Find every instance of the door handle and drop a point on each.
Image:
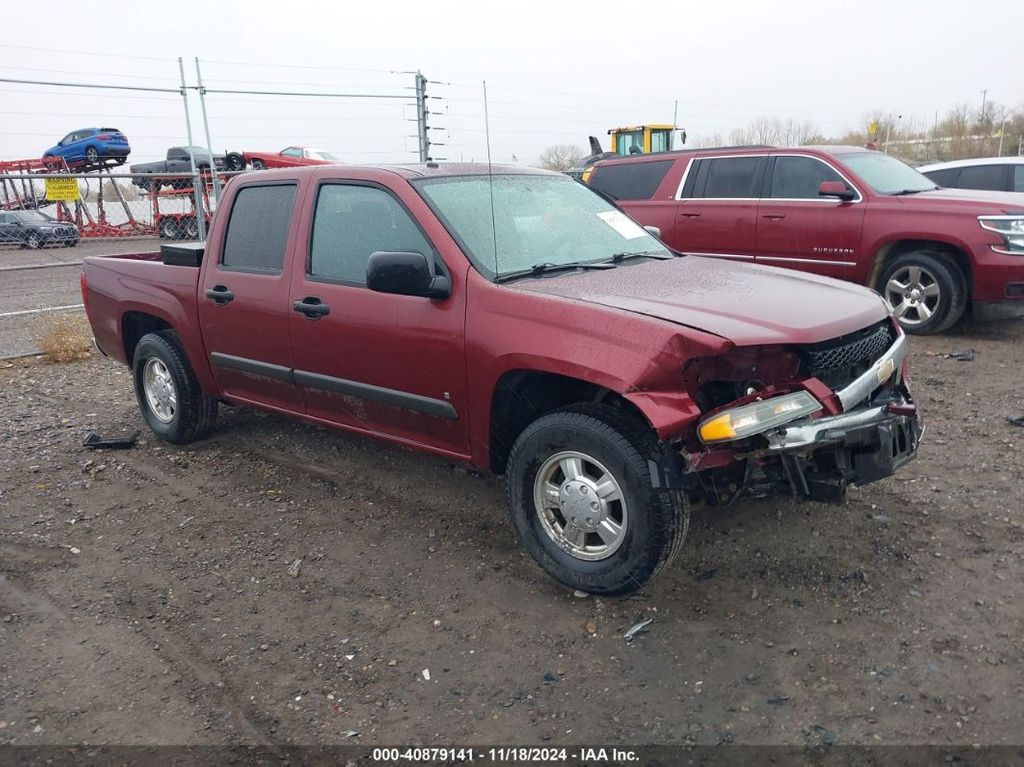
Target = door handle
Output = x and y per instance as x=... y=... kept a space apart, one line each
x=221 y=294
x=774 y=216
x=695 y=214
x=312 y=307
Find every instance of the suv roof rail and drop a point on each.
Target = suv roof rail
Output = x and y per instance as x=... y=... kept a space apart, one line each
x=674 y=152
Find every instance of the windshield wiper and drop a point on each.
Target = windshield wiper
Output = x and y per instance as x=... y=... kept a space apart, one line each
x=616 y=258
x=547 y=267
x=903 y=192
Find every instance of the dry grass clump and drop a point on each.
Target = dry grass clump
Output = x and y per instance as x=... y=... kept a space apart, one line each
x=64 y=338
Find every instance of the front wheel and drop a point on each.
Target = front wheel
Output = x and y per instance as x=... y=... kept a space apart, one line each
x=926 y=292
x=584 y=502
x=34 y=241
x=92 y=155
x=259 y=165
x=170 y=398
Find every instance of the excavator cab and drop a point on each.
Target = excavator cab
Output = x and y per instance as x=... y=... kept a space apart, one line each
x=641 y=139
x=638 y=139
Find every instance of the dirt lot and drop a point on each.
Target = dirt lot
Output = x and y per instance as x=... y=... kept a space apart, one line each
x=145 y=595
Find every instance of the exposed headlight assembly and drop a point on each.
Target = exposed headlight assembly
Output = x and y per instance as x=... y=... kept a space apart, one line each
x=757 y=417
x=1010 y=228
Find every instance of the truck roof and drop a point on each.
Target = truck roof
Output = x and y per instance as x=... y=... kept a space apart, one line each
x=409 y=170
x=833 y=149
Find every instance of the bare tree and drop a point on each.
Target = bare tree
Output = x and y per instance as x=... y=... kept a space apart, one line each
x=561 y=157
x=776 y=132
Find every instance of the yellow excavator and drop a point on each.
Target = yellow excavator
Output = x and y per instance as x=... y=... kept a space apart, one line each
x=634 y=139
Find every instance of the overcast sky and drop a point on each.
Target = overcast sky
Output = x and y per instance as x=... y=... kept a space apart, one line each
x=556 y=72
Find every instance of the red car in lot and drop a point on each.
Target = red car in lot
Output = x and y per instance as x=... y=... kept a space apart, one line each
x=839 y=211
x=289 y=157
x=516 y=322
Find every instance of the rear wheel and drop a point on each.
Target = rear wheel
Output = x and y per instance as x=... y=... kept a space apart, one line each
x=192 y=229
x=581 y=496
x=169 y=229
x=170 y=398
x=34 y=241
x=259 y=165
x=92 y=155
x=925 y=290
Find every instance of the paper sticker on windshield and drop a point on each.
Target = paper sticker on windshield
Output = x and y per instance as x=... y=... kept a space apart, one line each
x=622 y=224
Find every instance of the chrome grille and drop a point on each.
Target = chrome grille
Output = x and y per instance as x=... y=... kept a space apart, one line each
x=839 y=361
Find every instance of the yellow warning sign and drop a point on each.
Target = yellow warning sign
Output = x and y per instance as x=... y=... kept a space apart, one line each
x=872 y=128
x=62 y=189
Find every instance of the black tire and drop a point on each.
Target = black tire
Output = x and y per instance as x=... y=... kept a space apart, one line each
x=190 y=231
x=234 y=161
x=33 y=241
x=169 y=229
x=195 y=413
x=259 y=165
x=657 y=519
x=939 y=291
x=92 y=155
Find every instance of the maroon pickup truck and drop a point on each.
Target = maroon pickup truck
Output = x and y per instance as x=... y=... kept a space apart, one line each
x=841 y=211
x=517 y=323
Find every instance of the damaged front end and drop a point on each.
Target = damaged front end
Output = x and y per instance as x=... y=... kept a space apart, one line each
x=809 y=420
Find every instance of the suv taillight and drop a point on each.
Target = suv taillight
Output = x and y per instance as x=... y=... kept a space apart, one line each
x=104 y=137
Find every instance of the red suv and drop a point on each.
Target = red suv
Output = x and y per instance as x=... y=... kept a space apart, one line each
x=840 y=211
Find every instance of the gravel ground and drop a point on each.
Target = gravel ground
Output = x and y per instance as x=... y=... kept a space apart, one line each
x=152 y=595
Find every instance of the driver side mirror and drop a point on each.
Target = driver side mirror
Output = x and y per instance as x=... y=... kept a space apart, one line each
x=836 y=189
x=405 y=274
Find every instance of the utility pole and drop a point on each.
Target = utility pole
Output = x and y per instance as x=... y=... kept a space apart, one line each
x=206 y=127
x=196 y=181
x=984 y=96
x=422 y=129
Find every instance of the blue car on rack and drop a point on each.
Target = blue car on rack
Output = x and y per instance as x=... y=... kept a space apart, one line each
x=91 y=146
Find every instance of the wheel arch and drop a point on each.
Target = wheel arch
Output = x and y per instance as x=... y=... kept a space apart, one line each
x=956 y=251
x=134 y=325
x=521 y=396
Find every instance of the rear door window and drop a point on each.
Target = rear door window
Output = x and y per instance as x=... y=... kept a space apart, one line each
x=258 y=228
x=630 y=180
x=798 y=178
x=1018 y=178
x=729 y=177
x=990 y=177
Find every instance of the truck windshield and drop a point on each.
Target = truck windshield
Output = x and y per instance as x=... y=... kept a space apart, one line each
x=537 y=221
x=885 y=174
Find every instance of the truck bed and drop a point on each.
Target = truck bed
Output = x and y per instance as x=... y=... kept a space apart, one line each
x=115 y=287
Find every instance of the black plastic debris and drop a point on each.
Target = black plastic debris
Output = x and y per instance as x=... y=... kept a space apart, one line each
x=94 y=440
x=1015 y=420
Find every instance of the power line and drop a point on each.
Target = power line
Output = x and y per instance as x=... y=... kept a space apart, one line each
x=84 y=53
x=90 y=85
x=300 y=66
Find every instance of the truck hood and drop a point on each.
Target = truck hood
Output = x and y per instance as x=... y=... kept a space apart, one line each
x=746 y=304
x=983 y=200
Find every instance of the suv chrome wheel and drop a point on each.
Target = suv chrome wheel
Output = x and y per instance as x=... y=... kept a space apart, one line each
x=580 y=505
x=913 y=293
x=161 y=396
